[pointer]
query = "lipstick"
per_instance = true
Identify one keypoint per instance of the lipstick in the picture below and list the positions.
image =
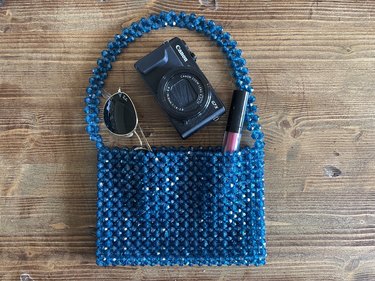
(233, 132)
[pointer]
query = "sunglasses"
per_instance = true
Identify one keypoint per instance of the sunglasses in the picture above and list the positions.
(121, 119)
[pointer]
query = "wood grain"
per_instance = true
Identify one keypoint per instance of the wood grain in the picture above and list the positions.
(313, 69)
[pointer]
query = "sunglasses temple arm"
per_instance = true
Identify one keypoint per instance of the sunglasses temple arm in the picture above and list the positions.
(143, 137)
(139, 139)
(105, 94)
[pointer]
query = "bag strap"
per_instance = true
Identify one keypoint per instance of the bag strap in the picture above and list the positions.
(154, 22)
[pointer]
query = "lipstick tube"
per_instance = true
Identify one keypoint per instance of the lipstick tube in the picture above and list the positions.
(233, 132)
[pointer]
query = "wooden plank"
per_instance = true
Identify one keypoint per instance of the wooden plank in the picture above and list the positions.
(312, 64)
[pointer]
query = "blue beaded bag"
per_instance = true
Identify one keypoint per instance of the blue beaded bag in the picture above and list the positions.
(178, 206)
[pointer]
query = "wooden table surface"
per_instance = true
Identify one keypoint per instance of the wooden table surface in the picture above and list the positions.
(313, 67)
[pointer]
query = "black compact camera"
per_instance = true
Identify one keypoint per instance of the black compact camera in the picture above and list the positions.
(180, 87)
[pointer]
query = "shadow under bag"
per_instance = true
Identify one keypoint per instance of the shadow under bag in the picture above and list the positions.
(178, 206)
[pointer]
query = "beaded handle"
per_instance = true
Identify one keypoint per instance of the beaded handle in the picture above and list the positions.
(154, 22)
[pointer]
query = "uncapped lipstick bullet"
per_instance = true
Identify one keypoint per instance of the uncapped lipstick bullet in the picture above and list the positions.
(232, 136)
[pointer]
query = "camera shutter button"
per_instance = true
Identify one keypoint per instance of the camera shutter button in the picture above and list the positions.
(193, 56)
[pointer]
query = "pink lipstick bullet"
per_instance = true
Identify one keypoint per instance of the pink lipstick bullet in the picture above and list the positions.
(233, 132)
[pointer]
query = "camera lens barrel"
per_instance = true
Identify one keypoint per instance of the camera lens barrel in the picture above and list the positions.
(183, 93)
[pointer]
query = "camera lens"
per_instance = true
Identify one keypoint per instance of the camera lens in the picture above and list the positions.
(183, 93)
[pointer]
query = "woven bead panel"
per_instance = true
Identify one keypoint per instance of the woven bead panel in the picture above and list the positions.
(180, 206)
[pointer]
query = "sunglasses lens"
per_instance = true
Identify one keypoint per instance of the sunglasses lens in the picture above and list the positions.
(120, 116)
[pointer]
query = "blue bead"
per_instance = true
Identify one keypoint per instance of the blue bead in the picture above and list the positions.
(145, 25)
(100, 62)
(119, 38)
(105, 53)
(155, 25)
(89, 90)
(92, 80)
(153, 18)
(257, 135)
(182, 15)
(125, 33)
(232, 43)
(96, 71)
(226, 36)
(251, 99)
(190, 26)
(91, 128)
(103, 76)
(112, 45)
